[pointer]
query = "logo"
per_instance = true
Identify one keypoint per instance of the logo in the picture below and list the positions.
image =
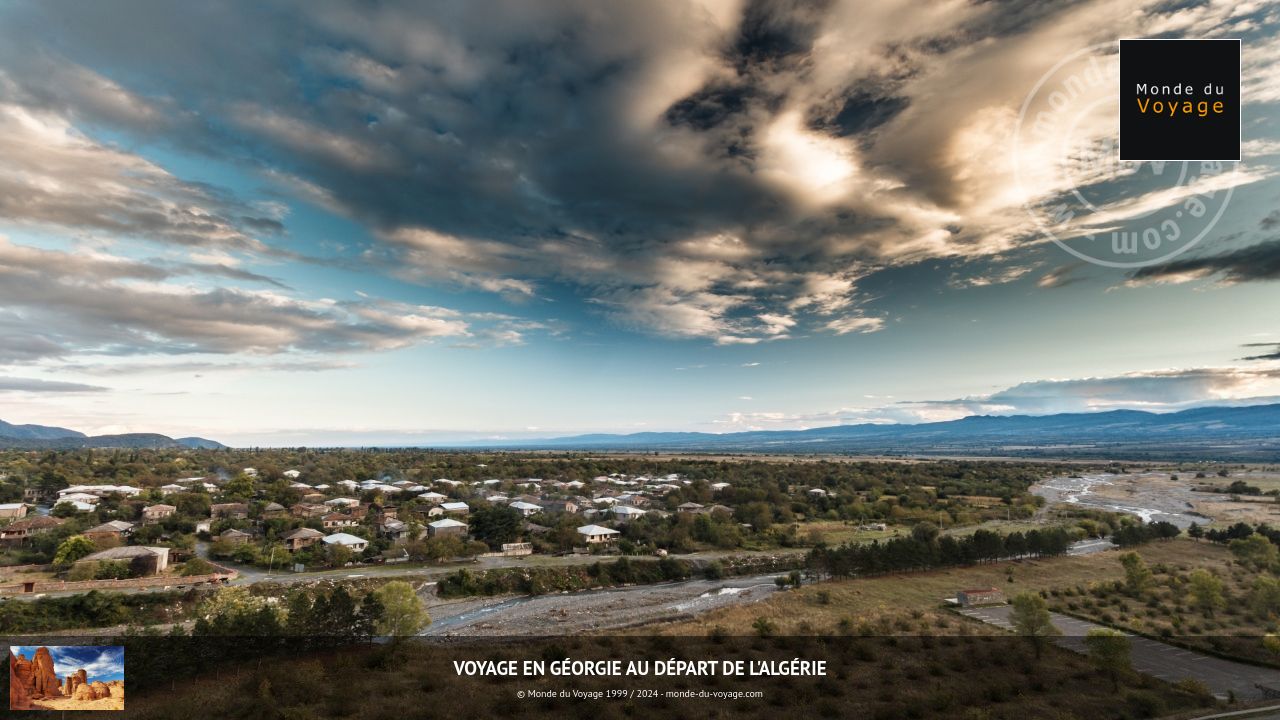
(1099, 208)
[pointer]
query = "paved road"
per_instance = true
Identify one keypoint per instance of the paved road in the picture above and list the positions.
(1089, 547)
(1161, 660)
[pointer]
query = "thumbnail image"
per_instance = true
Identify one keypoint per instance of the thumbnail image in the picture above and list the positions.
(68, 677)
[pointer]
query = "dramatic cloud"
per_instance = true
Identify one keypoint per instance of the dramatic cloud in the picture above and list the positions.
(728, 170)
(97, 304)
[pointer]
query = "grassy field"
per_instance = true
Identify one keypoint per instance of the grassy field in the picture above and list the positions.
(1167, 609)
(916, 599)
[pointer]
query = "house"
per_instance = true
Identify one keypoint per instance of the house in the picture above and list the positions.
(337, 520)
(273, 510)
(447, 526)
(144, 560)
(171, 488)
(626, 513)
(689, 507)
(525, 508)
(817, 492)
(717, 487)
(596, 534)
(455, 508)
(152, 513)
(980, 596)
(81, 498)
(115, 530)
(356, 544)
(561, 506)
(20, 530)
(302, 538)
(292, 474)
(394, 530)
(229, 510)
(13, 510)
(434, 498)
(100, 490)
(308, 510)
(342, 502)
(232, 536)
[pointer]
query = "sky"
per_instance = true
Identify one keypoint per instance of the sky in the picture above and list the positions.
(101, 663)
(325, 222)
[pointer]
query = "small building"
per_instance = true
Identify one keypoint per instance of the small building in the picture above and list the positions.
(144, 560)
(171, 488)
(14, 511)
(116, 530)
(525, 508)
(356, 544)
(447, 526)
(455, 508)
(152, 513)
(561, 506)
(596, 534)
(626, 513)
(231, 536)
(20, 530)
(980, 596)
(302, 538)
(308, 510)
(337, 520)
(274, 510)
(689, 507)
(229, 510)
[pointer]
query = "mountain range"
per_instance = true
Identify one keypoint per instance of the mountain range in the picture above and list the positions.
(41, 437)
(1251, 432)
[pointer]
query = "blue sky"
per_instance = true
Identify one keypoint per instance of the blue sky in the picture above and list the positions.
(101, 663)
(331, 222)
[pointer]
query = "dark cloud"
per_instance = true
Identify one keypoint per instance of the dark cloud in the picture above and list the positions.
(1272, 352)
(33, 385)
(1247, 264)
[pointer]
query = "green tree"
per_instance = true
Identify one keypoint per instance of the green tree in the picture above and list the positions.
(72, 549)
(1206, 591)
(1264, 599)
(1031, 619)
(1109, 653)
(1255, 552)
(403, 612)
(1137, 576)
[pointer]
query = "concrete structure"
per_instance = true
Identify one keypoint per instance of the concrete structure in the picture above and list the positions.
(229, 510)
(980, 596)
(15, 511)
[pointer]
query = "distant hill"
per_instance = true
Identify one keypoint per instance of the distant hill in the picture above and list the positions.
(36, 432)
(41, 437)
(1239, 433)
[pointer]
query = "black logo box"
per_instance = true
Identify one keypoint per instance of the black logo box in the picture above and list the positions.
(1185, 67)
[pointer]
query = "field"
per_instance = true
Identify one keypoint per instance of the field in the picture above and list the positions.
(916, 599)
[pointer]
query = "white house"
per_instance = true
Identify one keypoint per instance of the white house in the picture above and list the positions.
(292, 474)
(455, 508)
(357, 544)
(526, 508)
(342, 502)
(433, 497)
(594, 534)
(171, 488)
(626, 513)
